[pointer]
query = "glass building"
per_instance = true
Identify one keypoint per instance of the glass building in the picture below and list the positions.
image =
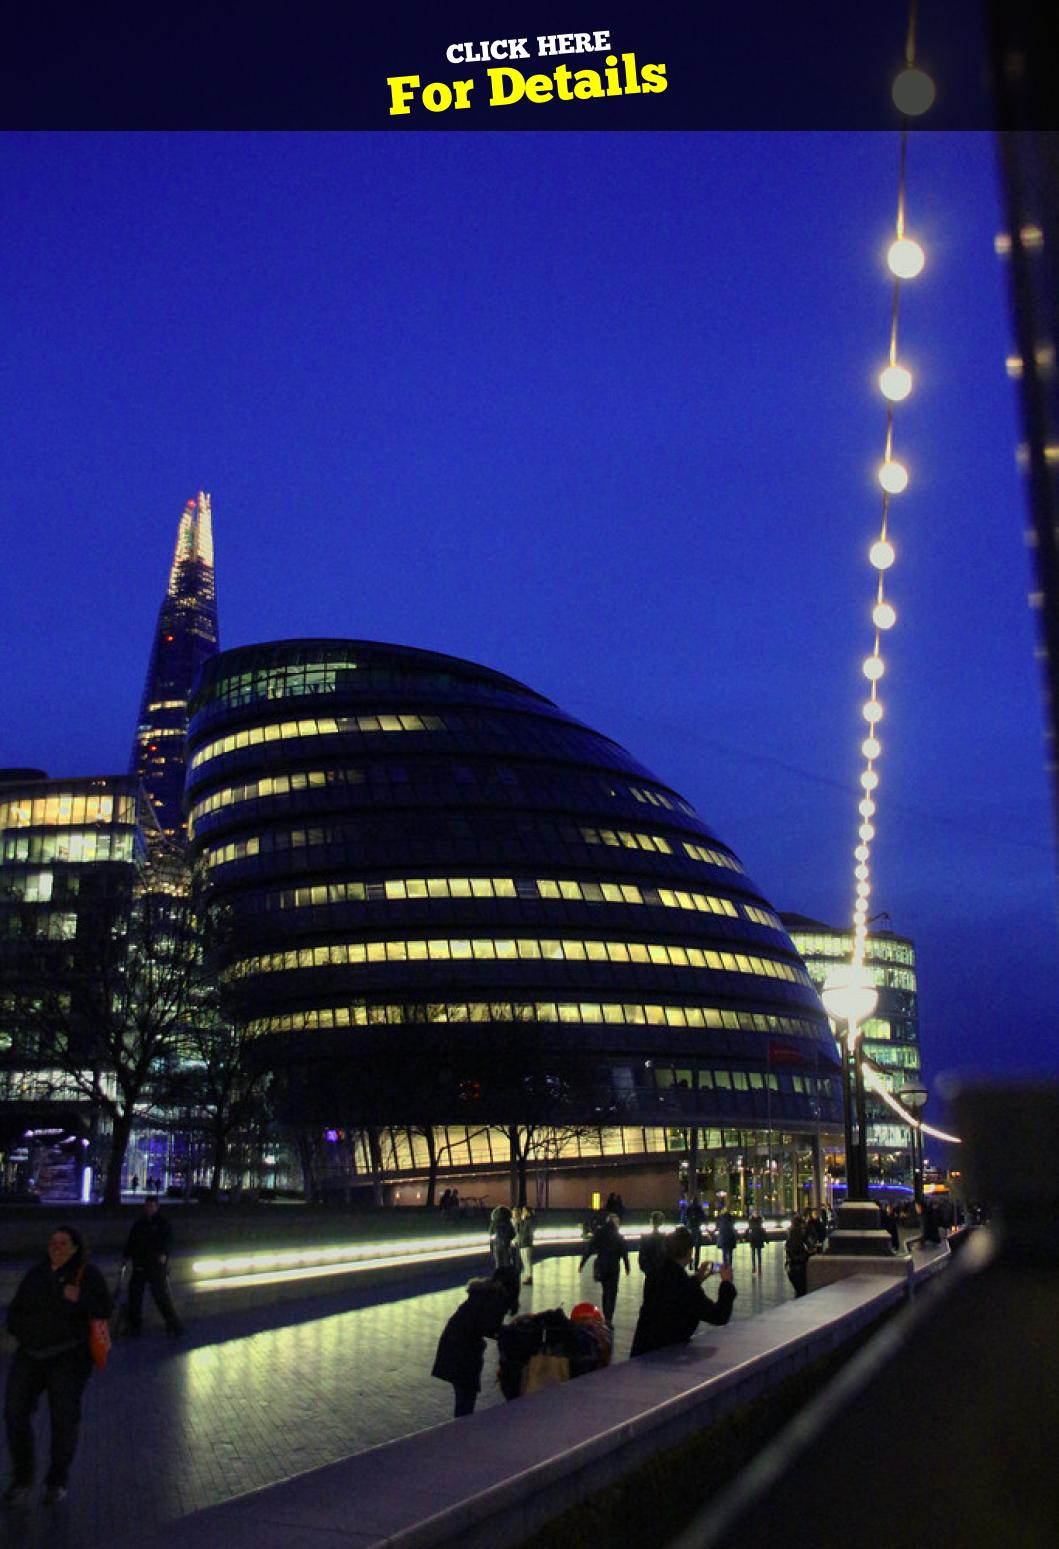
(890, 1038)
(185, 637)
(69, 850)
(442, 904)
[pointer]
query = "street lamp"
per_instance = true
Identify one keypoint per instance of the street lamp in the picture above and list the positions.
(849, 995)
(914, 1099)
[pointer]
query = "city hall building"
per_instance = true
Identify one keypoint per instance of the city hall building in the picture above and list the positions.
(447, 909)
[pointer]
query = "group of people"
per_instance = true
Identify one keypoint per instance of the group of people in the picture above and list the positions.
(674, 1301)
(50, 1318)
(449, 1205)
(511, 1234)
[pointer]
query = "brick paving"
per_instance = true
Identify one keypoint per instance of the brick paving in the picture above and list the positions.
(173, 1426)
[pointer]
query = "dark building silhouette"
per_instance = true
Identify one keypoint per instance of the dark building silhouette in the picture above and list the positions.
(70, 853)
(426, 878)
(186, 636)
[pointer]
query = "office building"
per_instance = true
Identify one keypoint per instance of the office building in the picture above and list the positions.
(185, 637)
(890, 1038)
(442, 903)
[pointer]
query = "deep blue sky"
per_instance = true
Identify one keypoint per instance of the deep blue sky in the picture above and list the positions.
(598, 410)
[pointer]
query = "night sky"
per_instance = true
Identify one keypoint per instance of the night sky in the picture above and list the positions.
(597, 410)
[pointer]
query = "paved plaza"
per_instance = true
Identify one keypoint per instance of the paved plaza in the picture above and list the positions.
(173, 1426)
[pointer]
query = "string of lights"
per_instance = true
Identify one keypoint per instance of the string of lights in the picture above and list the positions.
(849, 992)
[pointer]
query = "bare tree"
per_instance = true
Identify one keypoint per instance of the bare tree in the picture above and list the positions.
(213, 1086)
(95, 1014)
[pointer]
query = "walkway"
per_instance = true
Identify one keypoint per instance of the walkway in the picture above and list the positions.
(171, 1428)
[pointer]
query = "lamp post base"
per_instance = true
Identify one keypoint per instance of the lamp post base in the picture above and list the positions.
(859, 1245)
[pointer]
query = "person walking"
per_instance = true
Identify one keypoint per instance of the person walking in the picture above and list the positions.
(148, 1248)
(696, 1220)
(524, 1233)
(755, 1236)
(674, 1302)
(796, 1255)
(652, 1244)
(461, 1349)
(726, 1236)
(608, 1246)
(49, 1317)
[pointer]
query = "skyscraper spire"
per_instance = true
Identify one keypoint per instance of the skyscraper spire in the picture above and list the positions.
(186, 635)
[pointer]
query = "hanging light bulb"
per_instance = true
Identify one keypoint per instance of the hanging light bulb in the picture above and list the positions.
(869, 779)
(863, 889)
(871, 747)
(895, 383)
(872, 711)
(866, 808)
(873, 668)
(913, 92)
(884, 615)
(905, 258)
(893, 477)
(862, 852)
(882, 554)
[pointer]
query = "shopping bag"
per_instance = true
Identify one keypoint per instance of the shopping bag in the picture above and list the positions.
(99, 1341)
(545, 1371)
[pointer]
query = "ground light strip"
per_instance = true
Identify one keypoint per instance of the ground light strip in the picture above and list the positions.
(284, 1266)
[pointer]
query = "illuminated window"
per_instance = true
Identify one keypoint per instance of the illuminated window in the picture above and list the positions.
(319, 726)
(360, 1013)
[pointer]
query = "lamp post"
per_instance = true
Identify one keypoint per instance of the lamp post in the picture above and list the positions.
(914, 1099)
(850, 996)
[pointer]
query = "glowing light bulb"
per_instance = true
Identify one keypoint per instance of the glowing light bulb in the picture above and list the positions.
(866, 807)
(882, 554)
(871, 747)
(848, 993)
(863, 889)
(893, 477)
(869, 780)
(872, 711)
(884, 615)
(895, 383)
(867, 831)
(862, 852)
(861, 872)
(905, 258)
(913, 92)
(874, 668)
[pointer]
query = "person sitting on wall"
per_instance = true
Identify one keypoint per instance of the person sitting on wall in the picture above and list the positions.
(674, 1302)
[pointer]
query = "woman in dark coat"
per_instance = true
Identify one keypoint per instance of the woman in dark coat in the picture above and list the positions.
(726, 1236)
(49, 1317)
(461, 1348)
(502, 1243)
(796, 1255)
(674, 1303)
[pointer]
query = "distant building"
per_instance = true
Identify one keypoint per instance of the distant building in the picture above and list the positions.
(445, 905)
(70, 851)
(890, 1037)
(185, 637)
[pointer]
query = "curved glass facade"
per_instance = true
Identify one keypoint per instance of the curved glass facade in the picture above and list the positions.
(425, 871)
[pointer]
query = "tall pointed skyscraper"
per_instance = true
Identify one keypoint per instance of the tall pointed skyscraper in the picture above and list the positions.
(185, 637)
